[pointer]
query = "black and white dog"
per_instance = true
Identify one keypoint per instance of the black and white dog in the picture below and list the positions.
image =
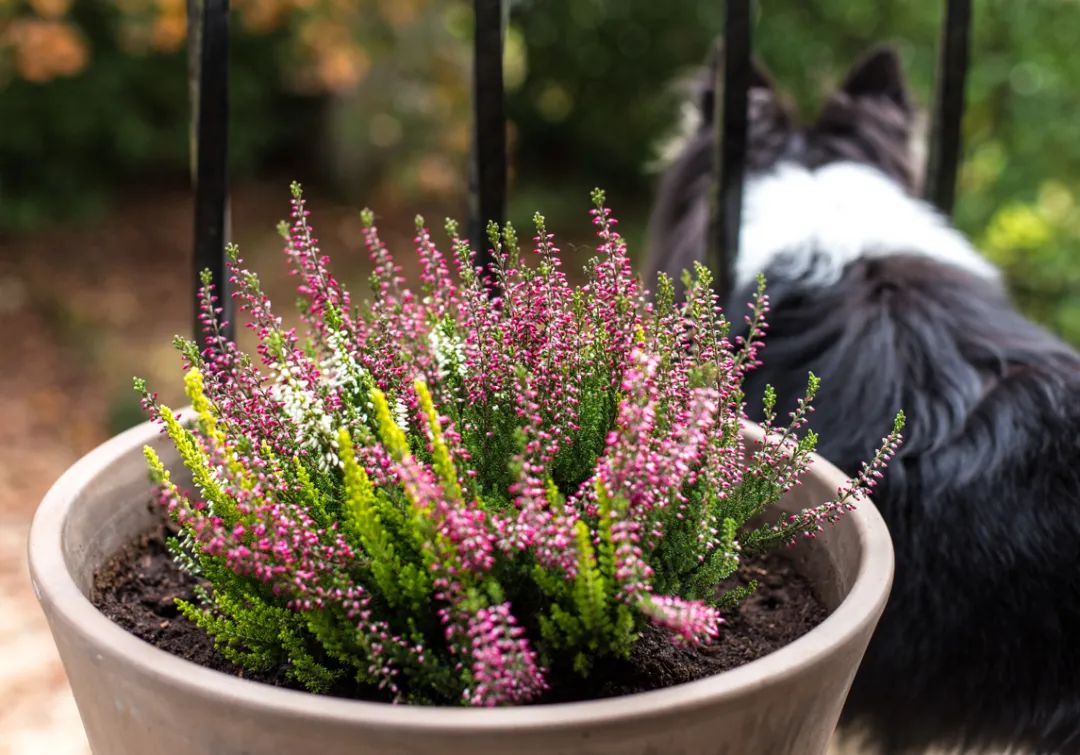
(893, 308)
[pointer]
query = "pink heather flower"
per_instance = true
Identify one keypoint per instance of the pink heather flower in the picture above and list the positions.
(310, 265)
(691, 621)
(811, 521)
(504, 668)
(465, 541)
(540, 526)
(439, 288)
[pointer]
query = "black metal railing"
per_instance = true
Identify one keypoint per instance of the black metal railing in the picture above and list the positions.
(208, 50)
(208, 73)
(729, 163)
(943, 160)
(487, 185)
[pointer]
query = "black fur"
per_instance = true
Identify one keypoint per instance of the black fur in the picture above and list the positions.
(980, 642)
(981, 638)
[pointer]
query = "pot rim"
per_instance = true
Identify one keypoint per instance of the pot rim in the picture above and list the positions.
(54, 586)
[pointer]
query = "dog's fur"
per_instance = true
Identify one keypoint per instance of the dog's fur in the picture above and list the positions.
(874, 292)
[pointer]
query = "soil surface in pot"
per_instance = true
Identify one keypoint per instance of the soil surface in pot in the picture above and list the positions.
(137, 588)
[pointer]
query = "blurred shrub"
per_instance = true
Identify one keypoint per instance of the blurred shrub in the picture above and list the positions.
(406, 125)
(88, 102)
(1038, 245)
(94, 93)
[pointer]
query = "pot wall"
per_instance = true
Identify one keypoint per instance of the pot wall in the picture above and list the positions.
(137, 699)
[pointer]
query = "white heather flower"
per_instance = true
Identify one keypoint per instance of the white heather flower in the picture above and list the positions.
(315, 428)
(449, 352)
(401, 414)
(340, 369)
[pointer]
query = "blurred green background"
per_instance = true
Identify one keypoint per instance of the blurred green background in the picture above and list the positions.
(368, 101)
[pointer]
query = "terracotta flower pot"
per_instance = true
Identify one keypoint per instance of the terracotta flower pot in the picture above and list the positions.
(137, 699)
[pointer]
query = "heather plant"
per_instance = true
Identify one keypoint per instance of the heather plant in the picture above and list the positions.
(440, 495)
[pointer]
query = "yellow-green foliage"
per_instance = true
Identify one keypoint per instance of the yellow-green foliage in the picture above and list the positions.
(366, 515)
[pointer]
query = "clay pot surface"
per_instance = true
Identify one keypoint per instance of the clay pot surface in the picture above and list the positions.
(137, 699)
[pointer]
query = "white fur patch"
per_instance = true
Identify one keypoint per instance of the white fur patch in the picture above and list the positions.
(811, 224)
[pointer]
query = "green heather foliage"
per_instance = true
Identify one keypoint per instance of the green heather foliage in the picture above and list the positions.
(440, 496)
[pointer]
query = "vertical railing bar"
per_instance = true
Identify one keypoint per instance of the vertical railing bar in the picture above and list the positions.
(208, 61)
(488, 171)
(729, 165)
(943, 161)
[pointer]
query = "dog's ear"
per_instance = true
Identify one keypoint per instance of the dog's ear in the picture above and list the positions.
(879, 75)
(772, 120)
(871, 117)
(762, 88)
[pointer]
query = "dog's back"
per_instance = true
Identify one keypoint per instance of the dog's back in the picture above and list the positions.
(979, 640)
(875, 293)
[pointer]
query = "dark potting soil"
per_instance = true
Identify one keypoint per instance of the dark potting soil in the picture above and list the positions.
(137, 588)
